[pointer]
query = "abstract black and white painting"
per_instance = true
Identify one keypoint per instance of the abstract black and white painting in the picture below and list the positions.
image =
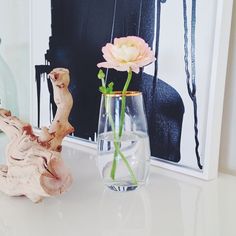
(177, 88)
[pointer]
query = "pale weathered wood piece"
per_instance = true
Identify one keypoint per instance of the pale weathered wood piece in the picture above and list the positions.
(34, 167)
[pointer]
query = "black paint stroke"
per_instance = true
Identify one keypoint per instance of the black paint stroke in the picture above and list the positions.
(191, 79)
(79, 30)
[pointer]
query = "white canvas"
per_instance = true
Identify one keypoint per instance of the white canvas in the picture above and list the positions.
(212, 36)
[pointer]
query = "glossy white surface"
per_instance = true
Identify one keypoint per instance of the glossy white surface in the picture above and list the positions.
(170, 205)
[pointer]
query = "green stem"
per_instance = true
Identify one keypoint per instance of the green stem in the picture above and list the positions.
(134, 181)
(103, 83)
(123, 102)
(116, 139)
(117, 149)
(114, 162)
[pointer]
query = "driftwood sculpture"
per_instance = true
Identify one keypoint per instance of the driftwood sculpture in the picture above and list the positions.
(34, 165)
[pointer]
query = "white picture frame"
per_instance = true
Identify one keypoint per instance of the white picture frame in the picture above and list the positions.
(215, 100)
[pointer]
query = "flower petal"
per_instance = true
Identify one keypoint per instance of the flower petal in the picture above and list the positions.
(127, 52)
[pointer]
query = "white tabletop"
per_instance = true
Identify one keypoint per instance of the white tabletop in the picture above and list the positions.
(170, 205)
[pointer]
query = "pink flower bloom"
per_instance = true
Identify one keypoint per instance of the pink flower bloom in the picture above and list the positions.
(127, 53)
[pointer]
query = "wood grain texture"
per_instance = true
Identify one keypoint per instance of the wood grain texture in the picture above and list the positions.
(34, 166)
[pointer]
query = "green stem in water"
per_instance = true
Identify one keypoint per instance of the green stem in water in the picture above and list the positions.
(116, 139)
(134, 181)
(117, 149)
(123, 102)
(114, 163)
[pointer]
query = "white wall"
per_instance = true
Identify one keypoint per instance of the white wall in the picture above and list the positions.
(228, 137)
(14, 51)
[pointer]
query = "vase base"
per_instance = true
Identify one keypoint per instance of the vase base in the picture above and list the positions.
(122, 188)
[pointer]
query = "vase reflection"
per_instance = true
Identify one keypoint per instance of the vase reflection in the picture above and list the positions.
(125, 214)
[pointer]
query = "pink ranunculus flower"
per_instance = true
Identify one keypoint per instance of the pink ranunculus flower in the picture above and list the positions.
(127, 53)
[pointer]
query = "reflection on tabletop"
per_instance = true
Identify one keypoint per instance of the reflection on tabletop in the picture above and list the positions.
(170, 205)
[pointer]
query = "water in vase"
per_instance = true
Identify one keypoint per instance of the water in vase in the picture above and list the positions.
(132, 160)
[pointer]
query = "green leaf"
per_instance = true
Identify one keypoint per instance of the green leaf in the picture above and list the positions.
(101, 74)
(110, 87)
(102, 89)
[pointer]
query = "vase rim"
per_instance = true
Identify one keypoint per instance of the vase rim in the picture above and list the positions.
(119, 94)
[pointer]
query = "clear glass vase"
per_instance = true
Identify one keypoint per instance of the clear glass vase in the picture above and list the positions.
(123, 142)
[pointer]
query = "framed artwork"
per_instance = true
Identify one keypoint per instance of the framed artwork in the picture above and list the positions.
(183, 90)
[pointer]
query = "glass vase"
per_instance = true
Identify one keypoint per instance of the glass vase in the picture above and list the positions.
(123, 142)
